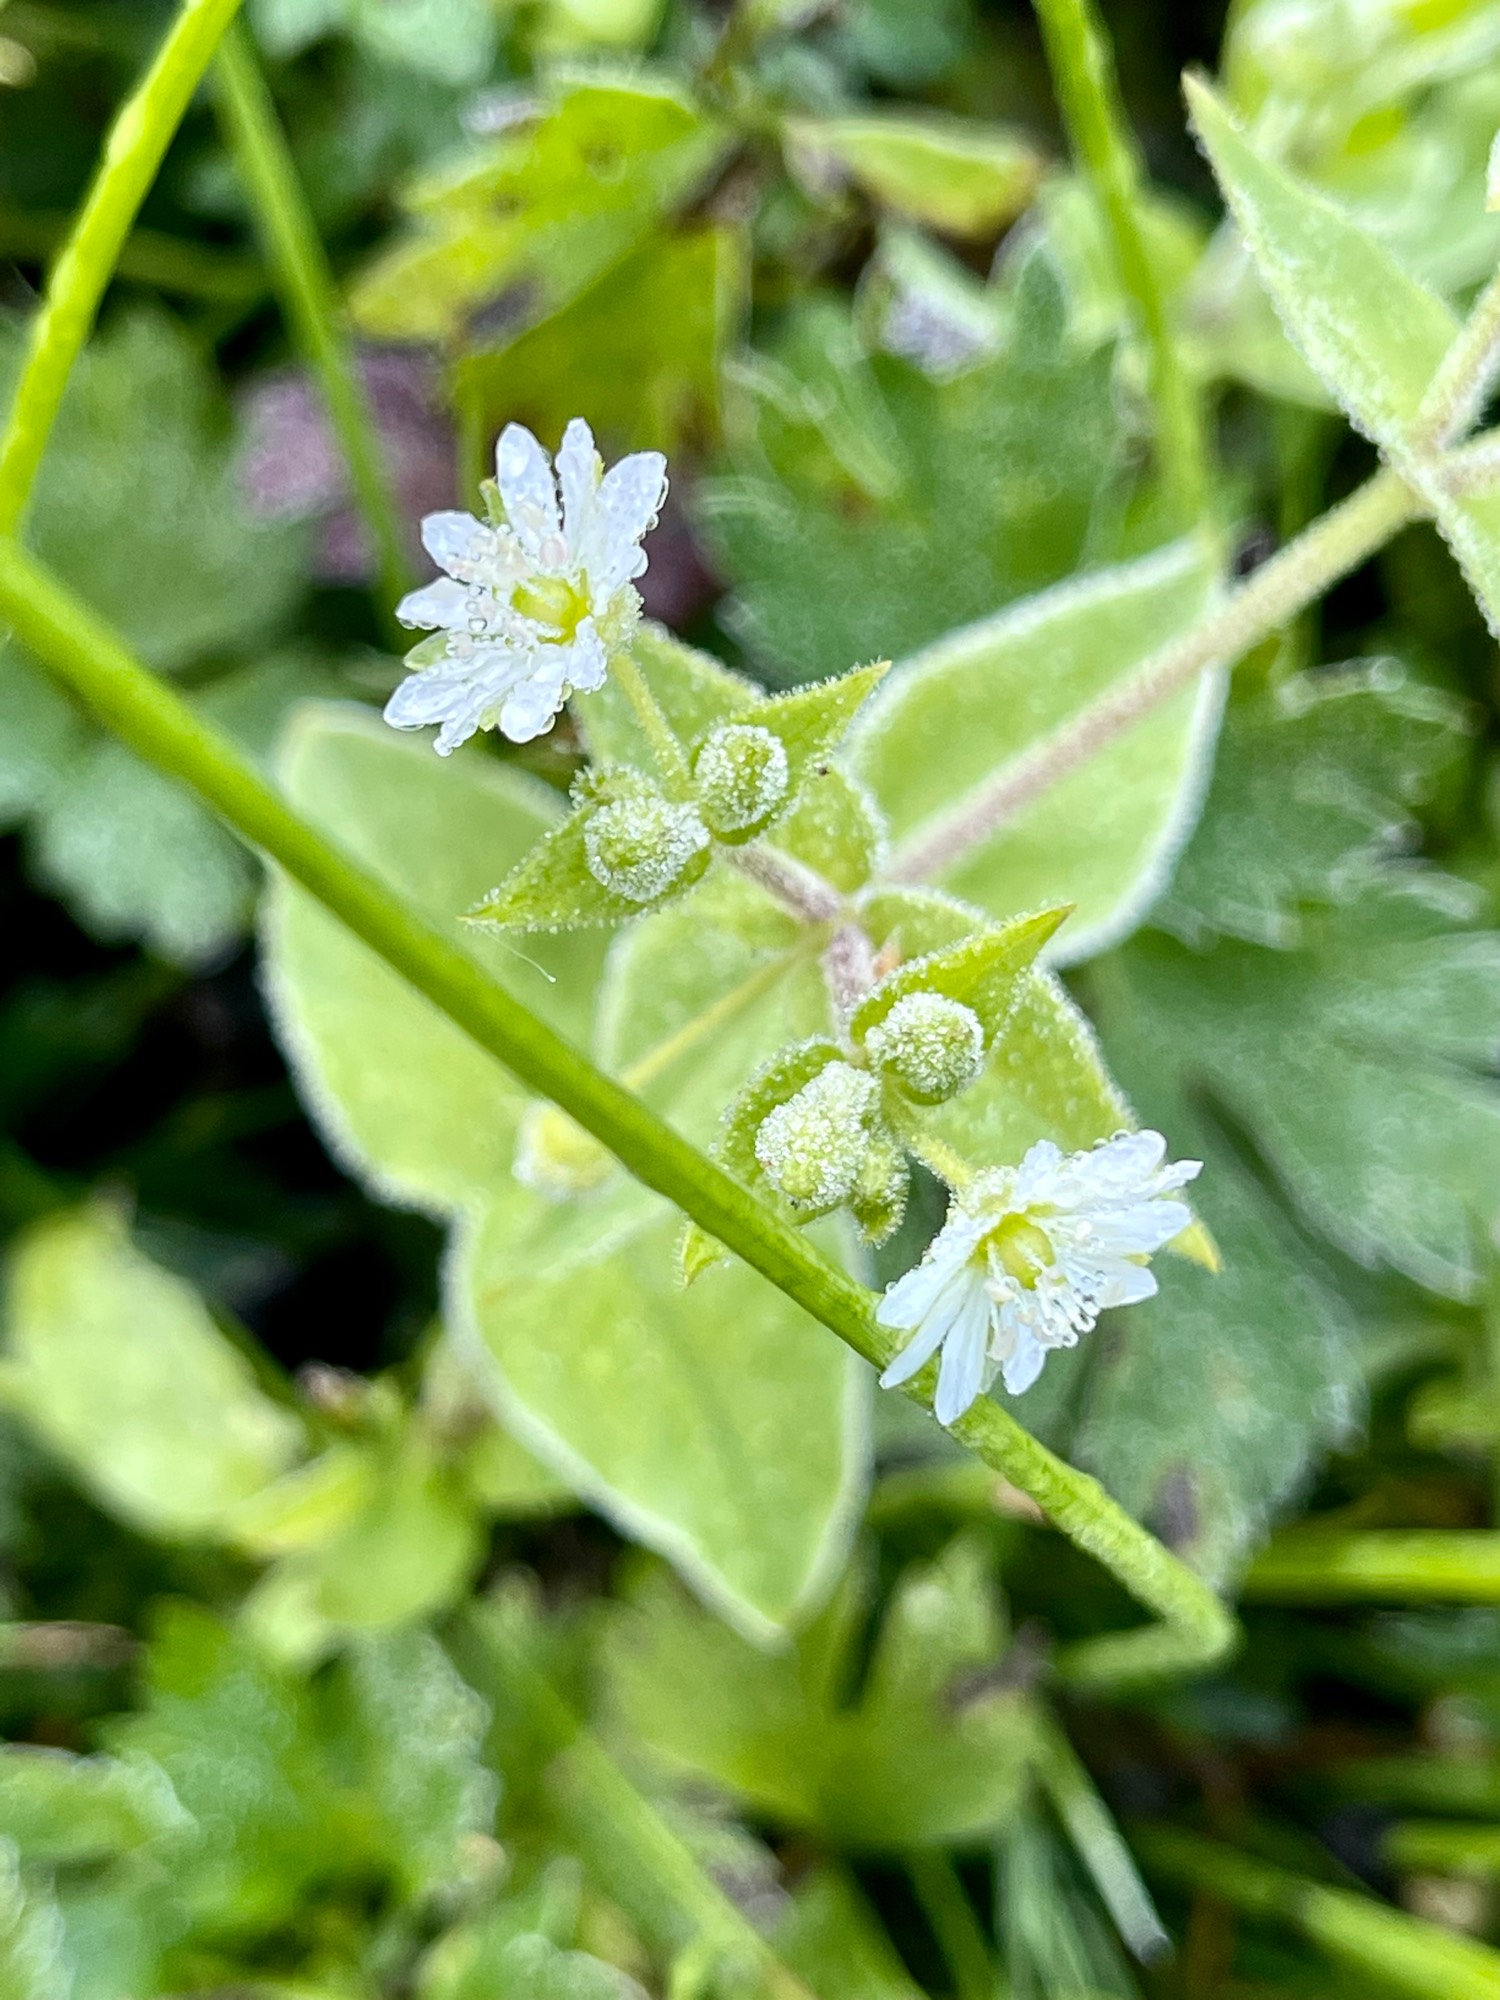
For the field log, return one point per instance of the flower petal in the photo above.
(441, 604)
(528, 489)
(626, 508)
(451, 536)
(961, 1376)
(579, 472)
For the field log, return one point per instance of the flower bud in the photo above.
(556, 1157)
(639, 846)
(931, 1046)
(878, 1197)
(742, 780)
(814, 1146)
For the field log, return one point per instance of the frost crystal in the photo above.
(1028, 1259)
(932, 1046)
(639, 846)
(742, 779)
(533, 601)
(814, 1146)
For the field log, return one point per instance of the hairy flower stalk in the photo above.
(1028, 1259)
(534, 600)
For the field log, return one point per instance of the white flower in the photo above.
(535, 600)
(1028, 1259)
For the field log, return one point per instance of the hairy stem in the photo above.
(310, 299)
(1400, 1953)
(1083, 72)
(671, 758)
(1460, 388)
(90, 661)
(1335, 544)
(848, 968)
(795, 887)
(1392, 1565)
(136, 145)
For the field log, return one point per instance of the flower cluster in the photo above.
(535, 599)
(1028, 1259)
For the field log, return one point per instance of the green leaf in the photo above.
(418, 1733)
(554, 887)
(238, 1740)
(917, 1760)
(958, 176)
(866, 508)
(554, 204)
(1361, 1066)
(192, 575)
(408, 1550)
(952, 723)
(1206, 1407)
(40, 735)
(1369, 329)
(532, 1968)
(836, 829)
(1316, 778)
(719, 1426)
(404, 1097)
(831, 1938)
(1470, 524)
(118, 1367)
(641, 350)
(62, 1809)
(32, 1965)
(986, 971)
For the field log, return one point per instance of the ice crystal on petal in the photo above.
(534, 601)
(814, 1146)
(1028, 1259)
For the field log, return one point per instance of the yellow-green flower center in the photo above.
(553, 601)
(1022, 1248)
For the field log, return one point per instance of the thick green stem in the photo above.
(1400, 1953)
(136, 145)
(1336, 543)
(1444, 1847)
(91, 662)
(309, 297)
(637, 1856)
(1379, 1565)
(1083, 72)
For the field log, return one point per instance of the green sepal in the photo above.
(777, 1080)
(811, 720)
(984, 972)
(554, 888)
(878, 1203)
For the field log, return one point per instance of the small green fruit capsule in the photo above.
(930, 1046)
(741, 771)
(642, 846)
(814, 1146)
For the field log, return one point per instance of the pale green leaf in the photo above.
(640, 351)
(418, 1731)
(1360, 1065)
(40, 736)
(836, 829)
(118, 1367)
(916, 1760)
(866, 508)
(1368, 328)
(58, 1808)
(401, 1094)
(1316, 777)
(32, 1962)
(555, 203)
(951, 723)
(956, 175)
(720, 1425)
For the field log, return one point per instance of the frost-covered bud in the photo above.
(556, 1157)
(742, 780)
(814, 1146)
(640, 846)
(878, 1197)
(932, 1046)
